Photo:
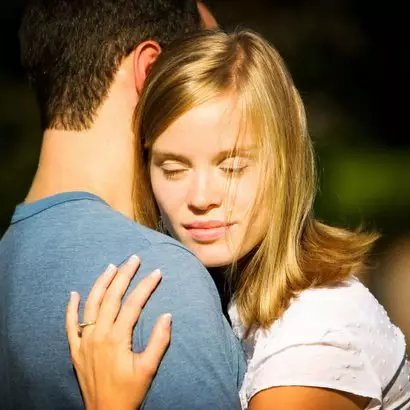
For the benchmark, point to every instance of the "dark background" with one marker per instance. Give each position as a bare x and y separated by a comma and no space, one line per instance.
350,60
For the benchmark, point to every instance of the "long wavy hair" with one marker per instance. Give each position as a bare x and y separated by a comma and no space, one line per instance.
297,251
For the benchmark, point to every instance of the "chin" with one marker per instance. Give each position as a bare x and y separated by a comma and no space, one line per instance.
212,258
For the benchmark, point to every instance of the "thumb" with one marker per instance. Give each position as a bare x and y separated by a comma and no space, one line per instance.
150,359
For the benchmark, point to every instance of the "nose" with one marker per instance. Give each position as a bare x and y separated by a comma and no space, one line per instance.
204,193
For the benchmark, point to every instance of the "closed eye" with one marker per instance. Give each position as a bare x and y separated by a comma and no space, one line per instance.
173,174
172,170
234,171
234,166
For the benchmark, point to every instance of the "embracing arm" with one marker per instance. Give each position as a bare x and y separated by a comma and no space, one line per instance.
314,359
203,366
306,398
110,374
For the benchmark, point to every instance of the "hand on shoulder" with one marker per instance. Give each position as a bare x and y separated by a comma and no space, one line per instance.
111,375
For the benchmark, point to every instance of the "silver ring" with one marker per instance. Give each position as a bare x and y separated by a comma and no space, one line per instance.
85,324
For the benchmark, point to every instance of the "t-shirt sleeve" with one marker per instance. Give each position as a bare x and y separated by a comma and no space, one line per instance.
319,364
314,355
204,364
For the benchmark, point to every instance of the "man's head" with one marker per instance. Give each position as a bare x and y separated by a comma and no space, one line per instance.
72,49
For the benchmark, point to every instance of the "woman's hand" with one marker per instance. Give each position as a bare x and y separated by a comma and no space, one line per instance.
111,376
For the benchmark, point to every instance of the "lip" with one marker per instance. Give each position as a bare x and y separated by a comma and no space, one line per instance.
207,231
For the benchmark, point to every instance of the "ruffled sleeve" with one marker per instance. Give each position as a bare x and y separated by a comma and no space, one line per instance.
336,338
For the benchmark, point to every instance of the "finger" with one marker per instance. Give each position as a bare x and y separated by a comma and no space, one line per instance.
111,303
158,343
96,295
71,322
131,309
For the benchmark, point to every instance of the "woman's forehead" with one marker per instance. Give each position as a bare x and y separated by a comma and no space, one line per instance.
217,124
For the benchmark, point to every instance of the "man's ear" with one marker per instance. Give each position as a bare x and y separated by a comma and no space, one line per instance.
208,21
144,57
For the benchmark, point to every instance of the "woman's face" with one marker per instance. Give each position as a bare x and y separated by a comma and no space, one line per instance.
204,191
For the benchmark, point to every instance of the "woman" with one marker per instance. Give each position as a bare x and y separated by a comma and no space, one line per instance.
227,167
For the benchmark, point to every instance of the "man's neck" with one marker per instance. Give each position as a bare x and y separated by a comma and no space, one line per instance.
99,161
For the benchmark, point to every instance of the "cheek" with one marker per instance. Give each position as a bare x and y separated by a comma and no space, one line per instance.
242,194
254,232
159,188
167,196
254,221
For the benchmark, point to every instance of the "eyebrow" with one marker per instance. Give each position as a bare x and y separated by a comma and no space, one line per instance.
248,151
161,156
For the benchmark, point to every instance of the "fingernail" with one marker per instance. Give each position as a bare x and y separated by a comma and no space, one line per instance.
166,319
72,294
156,273
110,269
134,258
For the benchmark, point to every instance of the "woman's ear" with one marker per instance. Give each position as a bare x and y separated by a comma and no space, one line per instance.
144,57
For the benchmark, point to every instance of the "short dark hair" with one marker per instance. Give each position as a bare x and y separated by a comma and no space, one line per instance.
71,49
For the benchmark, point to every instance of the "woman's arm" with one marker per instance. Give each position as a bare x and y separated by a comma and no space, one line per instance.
306,398
111,376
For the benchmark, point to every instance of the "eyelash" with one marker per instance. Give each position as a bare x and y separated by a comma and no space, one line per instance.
231,172
234,172
172,174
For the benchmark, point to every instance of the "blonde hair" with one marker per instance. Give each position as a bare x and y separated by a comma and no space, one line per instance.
297,251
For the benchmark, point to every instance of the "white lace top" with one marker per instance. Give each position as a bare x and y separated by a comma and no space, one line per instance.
339,338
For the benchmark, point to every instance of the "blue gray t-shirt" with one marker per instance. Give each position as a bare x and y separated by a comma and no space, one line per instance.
63,243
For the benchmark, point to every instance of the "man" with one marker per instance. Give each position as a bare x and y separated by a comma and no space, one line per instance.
87,62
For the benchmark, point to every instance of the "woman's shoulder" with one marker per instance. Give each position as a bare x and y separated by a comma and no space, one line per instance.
348,303
346,311
348,308
336,337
